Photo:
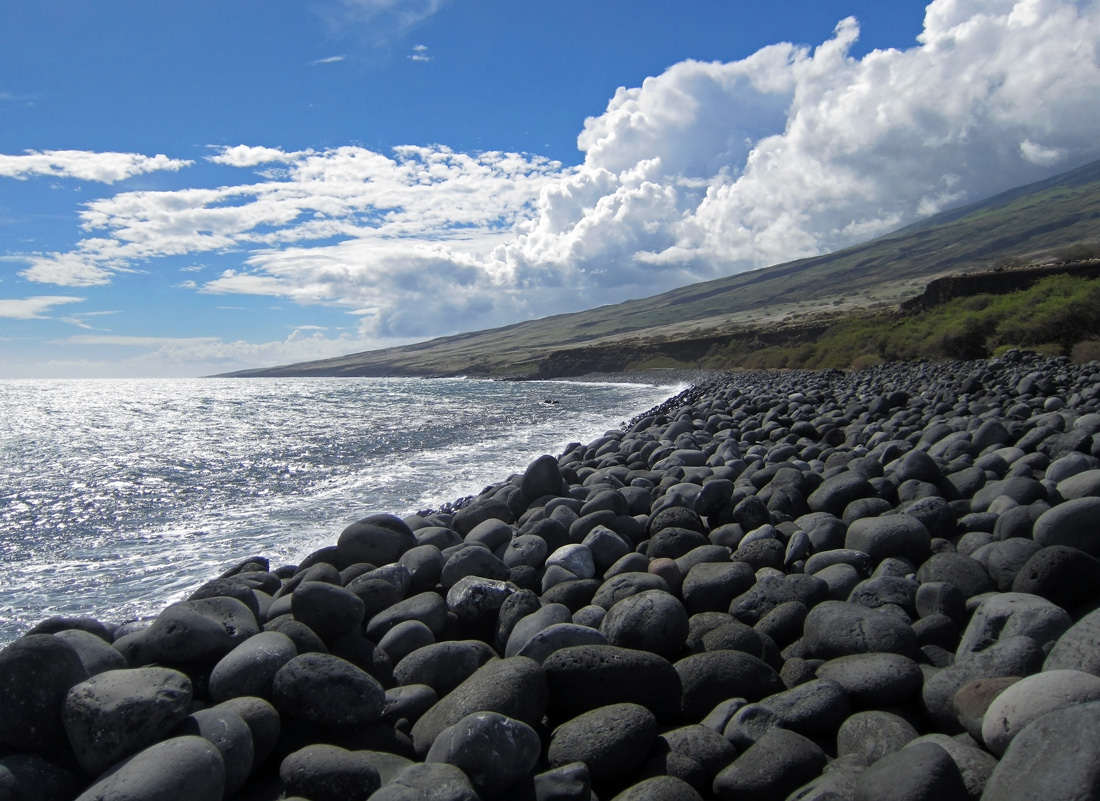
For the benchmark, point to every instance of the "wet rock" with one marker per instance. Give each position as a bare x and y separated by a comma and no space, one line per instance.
226,731
330,611
197,631
377,539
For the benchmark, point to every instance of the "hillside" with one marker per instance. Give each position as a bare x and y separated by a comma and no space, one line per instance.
776,305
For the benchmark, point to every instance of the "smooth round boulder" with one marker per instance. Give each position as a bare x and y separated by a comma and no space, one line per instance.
329,610
427,607
665,788
328,773
876,679
36,673
96,654
586,677
1066,576
612,741
652,620
531,624
119,712
709,678
836,628
1078,648
776,765
180,769
443,665
493,750
515,687
197,631
228,732
837,492
328,691
873,734
263,723
1013,614
1055,758
712,586
404,638
1024,701
378,539
919,772
428,781
541,478
1071,523
250,668
26,777
472,560
477,599
901,536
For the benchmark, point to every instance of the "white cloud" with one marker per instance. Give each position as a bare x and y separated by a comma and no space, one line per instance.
135,341
33,308
329,60
704,170
420,53
105,168
380,20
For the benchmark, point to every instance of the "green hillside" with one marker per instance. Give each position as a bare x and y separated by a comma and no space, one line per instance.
1037,223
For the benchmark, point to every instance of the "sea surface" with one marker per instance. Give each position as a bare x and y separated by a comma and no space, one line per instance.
119,497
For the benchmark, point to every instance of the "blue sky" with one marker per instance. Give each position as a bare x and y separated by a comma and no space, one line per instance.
200,187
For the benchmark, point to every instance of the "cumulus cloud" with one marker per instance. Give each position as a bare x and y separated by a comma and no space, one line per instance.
704,170
33,308
84,165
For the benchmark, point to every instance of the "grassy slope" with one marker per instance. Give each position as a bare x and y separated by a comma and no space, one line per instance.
1030,223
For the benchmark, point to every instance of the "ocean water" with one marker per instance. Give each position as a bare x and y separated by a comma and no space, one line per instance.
118,497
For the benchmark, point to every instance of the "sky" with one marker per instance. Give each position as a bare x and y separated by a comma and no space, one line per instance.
193,188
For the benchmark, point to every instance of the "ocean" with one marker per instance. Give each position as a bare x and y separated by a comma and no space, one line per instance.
118,497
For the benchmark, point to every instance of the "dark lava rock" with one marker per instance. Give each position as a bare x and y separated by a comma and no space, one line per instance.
875,679
961,571
494,751
263,723
664,788
378,539
612,741
585,677
918,772
624,585
117,713
197,631
329,773
329,610
541,478
1061,574
898,535
434,781
835,628
96,654
514,687
26,777
250,668
778,764
709,678
444,665
1013,614
1055,758
1078,648
228,732
180,769
1071,523
328,691
873,734
36,673
427,607
649,621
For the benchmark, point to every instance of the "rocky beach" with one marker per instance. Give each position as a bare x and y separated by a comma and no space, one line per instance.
812,585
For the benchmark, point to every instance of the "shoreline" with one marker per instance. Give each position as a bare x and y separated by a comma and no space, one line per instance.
888,573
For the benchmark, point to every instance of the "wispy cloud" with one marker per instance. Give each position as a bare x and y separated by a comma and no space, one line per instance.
378,20
329,60
84,165
33,308
135,342
420,53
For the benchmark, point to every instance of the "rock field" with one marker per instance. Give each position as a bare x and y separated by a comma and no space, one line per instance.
820,586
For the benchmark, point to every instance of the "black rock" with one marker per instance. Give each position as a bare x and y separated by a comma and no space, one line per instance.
329,773
328,691
36,673
612,741
777,765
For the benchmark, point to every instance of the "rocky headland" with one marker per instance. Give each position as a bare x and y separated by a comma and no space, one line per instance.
813,585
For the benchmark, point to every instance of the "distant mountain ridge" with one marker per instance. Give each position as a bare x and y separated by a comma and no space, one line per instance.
1030,224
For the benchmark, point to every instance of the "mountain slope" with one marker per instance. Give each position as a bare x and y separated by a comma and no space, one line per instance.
1029,224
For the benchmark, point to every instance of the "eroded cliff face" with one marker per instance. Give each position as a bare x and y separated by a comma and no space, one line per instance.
993,282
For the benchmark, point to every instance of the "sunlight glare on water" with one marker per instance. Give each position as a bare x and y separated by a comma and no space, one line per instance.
117,497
